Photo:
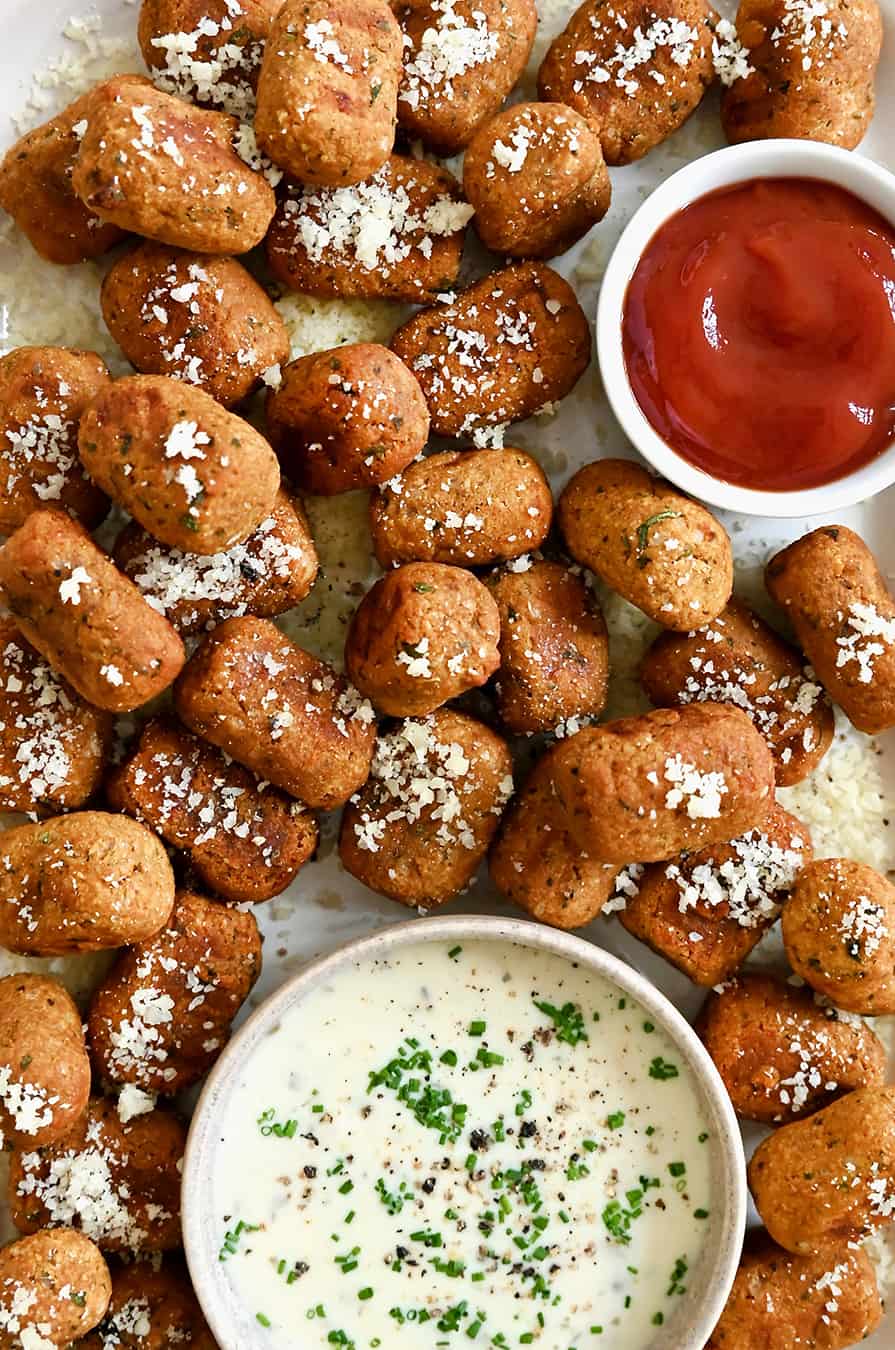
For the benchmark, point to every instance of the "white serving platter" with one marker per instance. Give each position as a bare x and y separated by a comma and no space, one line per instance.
325,907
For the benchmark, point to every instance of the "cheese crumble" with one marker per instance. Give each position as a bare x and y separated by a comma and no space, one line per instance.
698,793
205,589
729,57
372,222
634,52
866,636
218,73
748,888
454,45
70,588
414,774
40,735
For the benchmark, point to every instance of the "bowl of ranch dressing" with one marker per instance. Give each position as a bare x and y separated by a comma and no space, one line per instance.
464,1130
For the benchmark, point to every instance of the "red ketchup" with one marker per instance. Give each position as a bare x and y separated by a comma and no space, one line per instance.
759,333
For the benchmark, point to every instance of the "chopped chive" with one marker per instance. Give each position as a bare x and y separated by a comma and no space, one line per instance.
662,1069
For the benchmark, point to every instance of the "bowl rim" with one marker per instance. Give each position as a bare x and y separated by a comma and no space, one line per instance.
722,168
729,1209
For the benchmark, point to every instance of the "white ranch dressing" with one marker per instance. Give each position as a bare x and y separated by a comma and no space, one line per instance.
563,1208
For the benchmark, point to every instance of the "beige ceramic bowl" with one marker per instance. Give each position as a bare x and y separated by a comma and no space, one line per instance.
235,1326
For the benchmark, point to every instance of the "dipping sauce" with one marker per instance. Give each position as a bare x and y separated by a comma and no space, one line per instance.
759,333
483,1140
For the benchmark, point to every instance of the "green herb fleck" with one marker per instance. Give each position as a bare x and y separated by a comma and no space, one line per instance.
393,1200
662,1069
231,1239
645,526
567,1020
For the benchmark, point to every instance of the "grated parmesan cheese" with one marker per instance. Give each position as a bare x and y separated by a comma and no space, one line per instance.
182,586
749,887
867,635
371,222
634,51
414,774
729,57
699,793
218,73
454,45
70,588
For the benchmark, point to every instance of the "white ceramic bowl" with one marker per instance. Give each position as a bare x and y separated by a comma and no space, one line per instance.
736,164
235,1327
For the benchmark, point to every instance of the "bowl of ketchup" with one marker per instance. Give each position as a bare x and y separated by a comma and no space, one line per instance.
746,328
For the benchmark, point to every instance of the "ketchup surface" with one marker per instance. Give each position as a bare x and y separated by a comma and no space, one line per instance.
759,333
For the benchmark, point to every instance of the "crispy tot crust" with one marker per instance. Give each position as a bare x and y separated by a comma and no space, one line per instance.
662,551
133,1204
36,188
82,883
739,659
197,477
170,1309
554,649
52,1284
269,572
836,599
505,347
280,711
348,418
246,843
633,101
319,240
780,1301
839,933
327,90
419,853
649,787
537,179
444,111
828,1179
43,394
537,864
200,318
198,971
228,207
42,1052
805,81
705,911
230,47
423,634
782,1053
464,507
53,744
92,625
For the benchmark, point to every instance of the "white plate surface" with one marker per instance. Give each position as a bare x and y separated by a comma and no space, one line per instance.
325,907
